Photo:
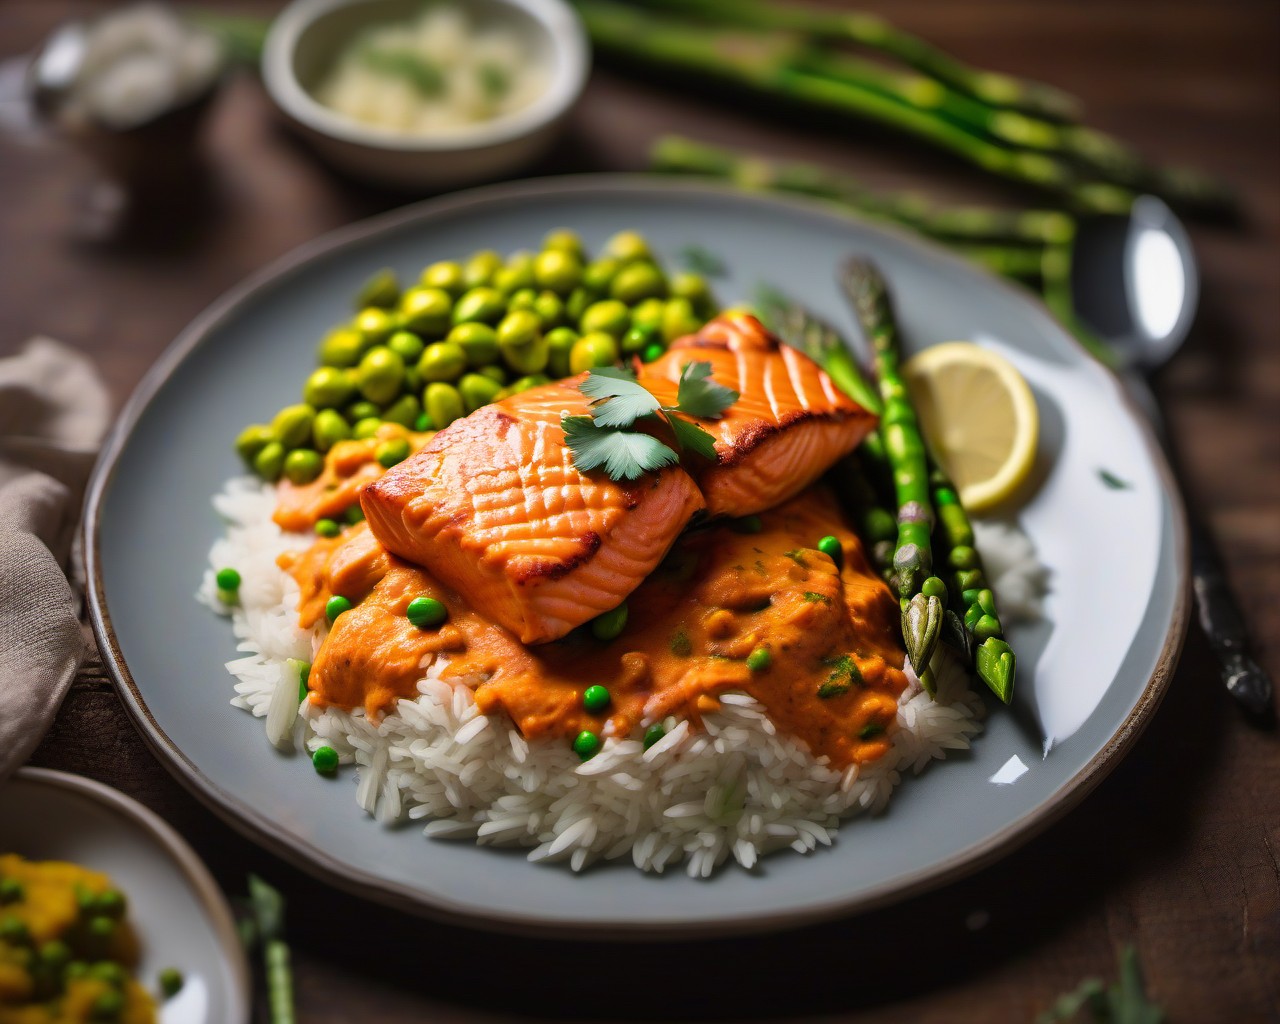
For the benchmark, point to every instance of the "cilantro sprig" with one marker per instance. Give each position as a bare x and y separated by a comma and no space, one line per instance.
609,438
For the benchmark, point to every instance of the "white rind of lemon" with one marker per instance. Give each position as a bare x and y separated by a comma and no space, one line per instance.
979,418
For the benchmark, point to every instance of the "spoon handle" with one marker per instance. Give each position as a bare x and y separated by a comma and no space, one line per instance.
1223,625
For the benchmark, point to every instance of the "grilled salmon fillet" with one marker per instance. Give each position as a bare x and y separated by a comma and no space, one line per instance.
789,425
495,508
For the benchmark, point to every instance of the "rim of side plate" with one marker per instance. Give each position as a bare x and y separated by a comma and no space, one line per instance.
179,851
341,875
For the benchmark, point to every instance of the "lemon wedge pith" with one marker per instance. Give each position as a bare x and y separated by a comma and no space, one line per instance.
979,418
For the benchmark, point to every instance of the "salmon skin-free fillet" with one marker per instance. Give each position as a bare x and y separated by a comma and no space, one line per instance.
495,508
789,425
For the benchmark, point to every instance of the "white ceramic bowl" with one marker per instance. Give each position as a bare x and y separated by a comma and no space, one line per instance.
308,34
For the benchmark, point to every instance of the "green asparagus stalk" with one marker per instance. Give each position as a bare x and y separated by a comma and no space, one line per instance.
993,89
969,590
920,592
679,155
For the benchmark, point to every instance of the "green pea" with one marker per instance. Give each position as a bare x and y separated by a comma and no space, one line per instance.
324,760
652,734
269,461
335,606
354,514
648,312
382,290
107,1006
598,276
171,979
341,347
374,325
481,304
525,298
578,303
594,349
595,699
479,342
564,240
679,319
426,612
11,890
533,380
638,336
252,440
559,344
521,342
380,375
610,316
407,345
405,411
477,390
627,246
693,287
447,276
328,429
586,745
445,360
327,388
557,270
638,281
832,548
327,528
366,428
392,451
759,659
443,404
480,268
302,465
654,350
497,373
426,311
292,425
609,625
549,308
361,410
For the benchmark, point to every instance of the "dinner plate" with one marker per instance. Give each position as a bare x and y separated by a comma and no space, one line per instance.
175,906
1091,673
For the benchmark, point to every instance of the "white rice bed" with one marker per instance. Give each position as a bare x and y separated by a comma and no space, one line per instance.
735,789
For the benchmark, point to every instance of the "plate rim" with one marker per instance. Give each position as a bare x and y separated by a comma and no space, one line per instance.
217,910
333,870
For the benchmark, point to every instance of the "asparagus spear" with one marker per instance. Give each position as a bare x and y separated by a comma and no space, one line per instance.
996,90
919,591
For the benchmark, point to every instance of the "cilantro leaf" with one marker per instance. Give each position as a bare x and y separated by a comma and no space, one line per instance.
619,399
698,395
624,455
691,437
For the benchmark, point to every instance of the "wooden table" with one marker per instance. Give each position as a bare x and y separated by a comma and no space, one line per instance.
1177,852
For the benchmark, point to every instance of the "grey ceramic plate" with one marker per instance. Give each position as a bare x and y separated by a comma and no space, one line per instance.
178,911
1118,560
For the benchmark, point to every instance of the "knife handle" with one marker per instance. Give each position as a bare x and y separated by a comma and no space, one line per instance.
1223,625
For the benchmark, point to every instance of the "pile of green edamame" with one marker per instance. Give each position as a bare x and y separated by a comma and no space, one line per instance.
466,334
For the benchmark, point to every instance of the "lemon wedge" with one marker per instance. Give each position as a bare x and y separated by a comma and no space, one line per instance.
979,418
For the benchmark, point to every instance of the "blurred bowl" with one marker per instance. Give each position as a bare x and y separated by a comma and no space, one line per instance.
308,36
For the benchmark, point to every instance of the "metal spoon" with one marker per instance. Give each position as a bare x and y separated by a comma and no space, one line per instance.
1134,282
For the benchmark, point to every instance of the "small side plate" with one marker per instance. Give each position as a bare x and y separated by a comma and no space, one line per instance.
180,915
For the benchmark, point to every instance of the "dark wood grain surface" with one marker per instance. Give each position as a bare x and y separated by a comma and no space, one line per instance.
1177,852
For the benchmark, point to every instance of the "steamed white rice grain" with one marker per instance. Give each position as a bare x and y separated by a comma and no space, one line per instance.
737,789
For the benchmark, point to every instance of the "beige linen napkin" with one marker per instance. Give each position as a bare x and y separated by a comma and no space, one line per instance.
53,412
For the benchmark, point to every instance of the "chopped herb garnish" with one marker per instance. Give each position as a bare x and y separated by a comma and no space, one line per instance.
1113,481
870,731
681,646
607,437
812,597
702,261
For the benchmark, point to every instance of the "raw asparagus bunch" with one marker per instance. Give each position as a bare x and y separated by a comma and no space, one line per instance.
921,593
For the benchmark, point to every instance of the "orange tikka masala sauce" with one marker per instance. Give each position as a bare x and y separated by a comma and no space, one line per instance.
833,679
